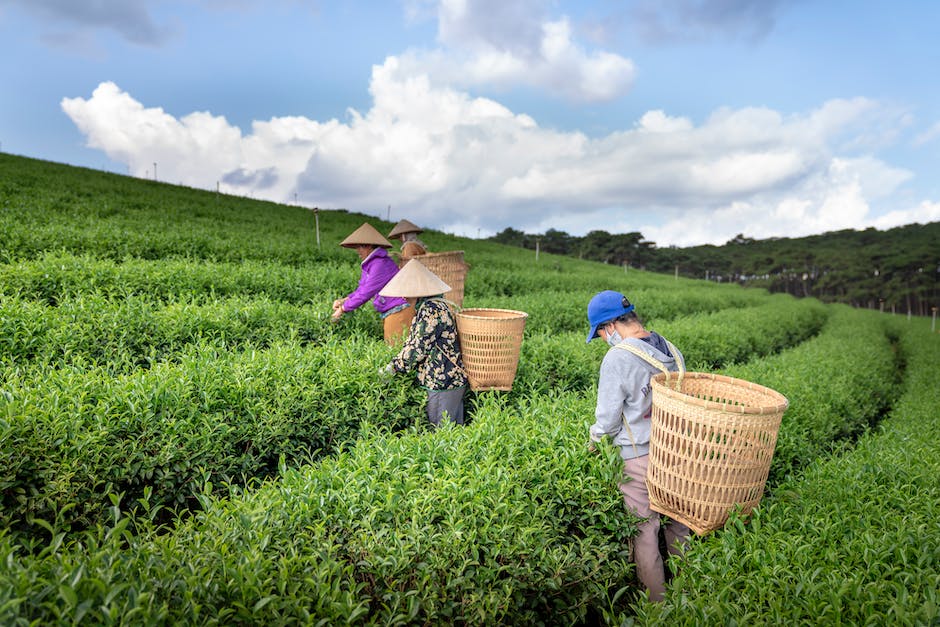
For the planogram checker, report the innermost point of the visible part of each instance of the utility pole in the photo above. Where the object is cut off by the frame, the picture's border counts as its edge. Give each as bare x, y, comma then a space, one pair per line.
316, 217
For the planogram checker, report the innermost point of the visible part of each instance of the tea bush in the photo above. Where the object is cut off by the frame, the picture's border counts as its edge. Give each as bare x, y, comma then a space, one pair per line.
77, 435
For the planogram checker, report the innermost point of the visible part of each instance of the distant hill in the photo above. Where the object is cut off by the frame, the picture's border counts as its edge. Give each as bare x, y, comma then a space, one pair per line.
896, 270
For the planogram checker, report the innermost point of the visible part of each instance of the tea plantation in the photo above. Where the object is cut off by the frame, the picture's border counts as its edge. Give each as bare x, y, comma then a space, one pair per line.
186, 439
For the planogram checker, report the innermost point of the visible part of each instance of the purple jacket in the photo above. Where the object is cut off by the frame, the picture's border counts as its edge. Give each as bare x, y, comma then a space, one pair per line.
377, 270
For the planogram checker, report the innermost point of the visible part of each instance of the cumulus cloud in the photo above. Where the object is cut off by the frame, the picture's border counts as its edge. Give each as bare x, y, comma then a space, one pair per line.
199, 149
449, 161
505, 44
923, 213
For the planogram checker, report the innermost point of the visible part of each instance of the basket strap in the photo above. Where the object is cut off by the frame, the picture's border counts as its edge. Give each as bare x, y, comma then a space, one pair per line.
655, 362
651, 361
677, 356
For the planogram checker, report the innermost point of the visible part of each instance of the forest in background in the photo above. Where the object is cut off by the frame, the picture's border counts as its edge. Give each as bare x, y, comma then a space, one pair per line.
896, 270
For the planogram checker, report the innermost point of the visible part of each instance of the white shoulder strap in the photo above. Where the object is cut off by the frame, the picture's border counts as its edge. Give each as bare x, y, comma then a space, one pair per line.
652, 360
655, 363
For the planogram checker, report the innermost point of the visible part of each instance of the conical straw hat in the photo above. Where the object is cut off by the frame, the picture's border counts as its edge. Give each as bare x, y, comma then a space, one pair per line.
414, 280
365, 234
404, 226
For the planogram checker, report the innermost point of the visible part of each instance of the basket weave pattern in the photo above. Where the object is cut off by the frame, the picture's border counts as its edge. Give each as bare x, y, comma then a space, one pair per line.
451, 269
490, 341
711, 443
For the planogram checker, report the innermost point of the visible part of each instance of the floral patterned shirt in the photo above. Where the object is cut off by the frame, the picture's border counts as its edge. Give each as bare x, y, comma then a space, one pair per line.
432, 347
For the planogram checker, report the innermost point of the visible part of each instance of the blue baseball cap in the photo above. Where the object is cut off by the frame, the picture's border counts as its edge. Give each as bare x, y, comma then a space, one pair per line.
604, 307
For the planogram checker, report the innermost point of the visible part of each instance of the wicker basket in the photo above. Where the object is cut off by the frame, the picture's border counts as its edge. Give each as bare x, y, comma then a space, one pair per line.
711, 443
451, 269
490, 340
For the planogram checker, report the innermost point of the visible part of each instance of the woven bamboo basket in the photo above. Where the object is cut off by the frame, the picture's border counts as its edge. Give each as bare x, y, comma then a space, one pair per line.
711, 444
490, 341
449, 268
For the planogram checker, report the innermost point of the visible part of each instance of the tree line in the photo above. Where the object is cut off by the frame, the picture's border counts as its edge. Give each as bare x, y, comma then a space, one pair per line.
895, 270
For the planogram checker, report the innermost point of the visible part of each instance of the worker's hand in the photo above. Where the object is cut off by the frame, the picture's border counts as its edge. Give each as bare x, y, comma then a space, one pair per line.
338, 303
337, 314
592, 446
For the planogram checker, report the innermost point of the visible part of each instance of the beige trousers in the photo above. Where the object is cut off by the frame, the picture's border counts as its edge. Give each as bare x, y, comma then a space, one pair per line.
649, 561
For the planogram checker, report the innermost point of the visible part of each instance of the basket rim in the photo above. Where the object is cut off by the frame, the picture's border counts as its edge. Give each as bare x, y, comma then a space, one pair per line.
515, 313
658, 385
441, 253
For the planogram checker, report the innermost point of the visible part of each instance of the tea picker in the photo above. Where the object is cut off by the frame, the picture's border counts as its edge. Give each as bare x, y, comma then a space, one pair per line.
411, 246
377, 269
432, 348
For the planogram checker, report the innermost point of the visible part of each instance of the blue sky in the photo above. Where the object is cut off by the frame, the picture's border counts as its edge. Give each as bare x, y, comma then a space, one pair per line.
689, 121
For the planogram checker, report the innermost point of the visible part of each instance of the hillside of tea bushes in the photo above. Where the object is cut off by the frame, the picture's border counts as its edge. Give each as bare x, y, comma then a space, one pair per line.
185, 438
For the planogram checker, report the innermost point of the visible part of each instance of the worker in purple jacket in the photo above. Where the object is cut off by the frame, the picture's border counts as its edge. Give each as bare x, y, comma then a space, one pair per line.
377, 269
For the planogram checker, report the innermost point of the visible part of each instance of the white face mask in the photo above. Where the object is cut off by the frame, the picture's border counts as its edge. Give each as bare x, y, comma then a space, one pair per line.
613, 338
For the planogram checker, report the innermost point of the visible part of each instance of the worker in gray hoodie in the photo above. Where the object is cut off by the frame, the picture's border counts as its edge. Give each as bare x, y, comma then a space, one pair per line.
624, 407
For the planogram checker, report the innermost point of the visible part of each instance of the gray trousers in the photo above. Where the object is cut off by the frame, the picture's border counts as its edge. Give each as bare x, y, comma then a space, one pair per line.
446, 402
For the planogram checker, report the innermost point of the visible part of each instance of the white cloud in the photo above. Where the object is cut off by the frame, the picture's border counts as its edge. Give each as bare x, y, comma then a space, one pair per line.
923, 213
658, 122
507, 44
448, 161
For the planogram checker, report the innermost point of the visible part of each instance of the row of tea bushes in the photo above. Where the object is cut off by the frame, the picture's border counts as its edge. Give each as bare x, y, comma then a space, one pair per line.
511, 273
136, 331
558, 311
826, 409
854, 541
59, 276
477, 525
715, 339
72, 437
128, 333
506, 520
552, 362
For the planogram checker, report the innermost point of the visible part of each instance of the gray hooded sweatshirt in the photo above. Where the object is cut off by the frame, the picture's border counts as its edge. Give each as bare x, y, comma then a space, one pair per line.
624, 394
